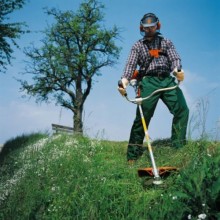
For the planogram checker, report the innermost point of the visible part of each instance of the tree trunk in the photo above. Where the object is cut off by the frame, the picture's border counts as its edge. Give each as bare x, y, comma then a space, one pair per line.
77, 121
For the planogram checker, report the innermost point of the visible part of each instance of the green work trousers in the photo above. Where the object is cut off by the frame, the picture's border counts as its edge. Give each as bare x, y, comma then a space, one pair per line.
175, 102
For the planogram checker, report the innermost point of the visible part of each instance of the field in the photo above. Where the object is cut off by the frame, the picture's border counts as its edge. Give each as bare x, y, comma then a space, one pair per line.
74, 177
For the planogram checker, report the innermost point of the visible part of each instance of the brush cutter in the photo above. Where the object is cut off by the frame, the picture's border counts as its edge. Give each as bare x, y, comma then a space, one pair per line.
154, 171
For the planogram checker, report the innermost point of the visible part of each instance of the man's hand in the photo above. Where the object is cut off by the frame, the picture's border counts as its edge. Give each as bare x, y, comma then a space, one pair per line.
178, 74
122, 85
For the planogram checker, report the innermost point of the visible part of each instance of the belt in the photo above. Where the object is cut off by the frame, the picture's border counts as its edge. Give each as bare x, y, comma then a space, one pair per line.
157, 74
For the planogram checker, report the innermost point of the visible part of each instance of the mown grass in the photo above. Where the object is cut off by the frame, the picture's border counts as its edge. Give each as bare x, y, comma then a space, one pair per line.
73, 177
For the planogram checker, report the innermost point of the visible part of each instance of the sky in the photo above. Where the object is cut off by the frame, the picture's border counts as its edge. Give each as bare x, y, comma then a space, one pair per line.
193, 27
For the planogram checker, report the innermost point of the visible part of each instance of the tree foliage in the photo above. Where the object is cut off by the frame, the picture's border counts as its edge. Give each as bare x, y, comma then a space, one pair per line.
75, 48
9, 32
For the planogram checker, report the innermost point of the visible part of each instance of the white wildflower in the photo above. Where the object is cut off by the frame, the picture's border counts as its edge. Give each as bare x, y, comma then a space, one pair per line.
40, 144
189, 216
103, 179
10, 183
202, 216
174, 197
53, 188
70, 143
54, 137
86, 159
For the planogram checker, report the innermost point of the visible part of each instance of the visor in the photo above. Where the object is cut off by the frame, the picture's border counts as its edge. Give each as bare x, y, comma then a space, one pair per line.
149, 22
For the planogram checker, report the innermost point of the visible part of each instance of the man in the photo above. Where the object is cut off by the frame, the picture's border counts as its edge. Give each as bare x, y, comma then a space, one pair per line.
156, 58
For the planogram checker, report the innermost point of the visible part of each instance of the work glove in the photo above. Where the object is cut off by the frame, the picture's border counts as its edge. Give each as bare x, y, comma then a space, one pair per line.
179, 74
122, 85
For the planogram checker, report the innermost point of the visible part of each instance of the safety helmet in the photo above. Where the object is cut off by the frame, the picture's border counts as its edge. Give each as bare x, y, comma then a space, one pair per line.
149, 20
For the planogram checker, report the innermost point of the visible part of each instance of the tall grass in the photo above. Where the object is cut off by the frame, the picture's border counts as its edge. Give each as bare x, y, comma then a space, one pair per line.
73, 177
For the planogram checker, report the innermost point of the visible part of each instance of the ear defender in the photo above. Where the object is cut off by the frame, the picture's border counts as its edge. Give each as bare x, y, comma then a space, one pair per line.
158, 25
141, 28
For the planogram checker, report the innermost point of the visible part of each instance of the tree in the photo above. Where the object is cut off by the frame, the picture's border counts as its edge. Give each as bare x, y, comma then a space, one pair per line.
73, 51
8, 31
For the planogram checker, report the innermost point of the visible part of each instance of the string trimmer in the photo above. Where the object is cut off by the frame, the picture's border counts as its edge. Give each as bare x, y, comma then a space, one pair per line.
154, 171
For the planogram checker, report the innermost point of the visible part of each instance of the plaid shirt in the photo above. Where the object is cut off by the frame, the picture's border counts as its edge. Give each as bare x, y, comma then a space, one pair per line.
140, 56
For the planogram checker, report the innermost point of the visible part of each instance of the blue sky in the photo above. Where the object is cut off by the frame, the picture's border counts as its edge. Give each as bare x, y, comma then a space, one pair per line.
192, 25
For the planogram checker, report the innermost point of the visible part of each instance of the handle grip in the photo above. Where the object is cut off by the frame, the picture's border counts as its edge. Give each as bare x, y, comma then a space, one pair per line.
178, 70
120, 85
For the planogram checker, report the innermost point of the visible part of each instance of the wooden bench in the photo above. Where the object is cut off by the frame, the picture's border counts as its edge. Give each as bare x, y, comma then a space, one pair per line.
62, 129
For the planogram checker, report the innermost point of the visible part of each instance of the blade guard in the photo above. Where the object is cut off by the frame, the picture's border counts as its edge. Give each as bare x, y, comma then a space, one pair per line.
163, 171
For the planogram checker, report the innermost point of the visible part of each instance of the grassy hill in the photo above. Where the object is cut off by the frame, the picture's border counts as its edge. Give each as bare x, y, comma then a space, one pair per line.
70, 177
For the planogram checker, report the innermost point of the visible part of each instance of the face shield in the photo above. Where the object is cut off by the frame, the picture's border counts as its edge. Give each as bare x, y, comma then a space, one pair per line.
149, 21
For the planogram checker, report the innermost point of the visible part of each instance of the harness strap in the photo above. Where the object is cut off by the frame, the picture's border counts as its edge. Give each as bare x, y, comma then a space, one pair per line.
154, 53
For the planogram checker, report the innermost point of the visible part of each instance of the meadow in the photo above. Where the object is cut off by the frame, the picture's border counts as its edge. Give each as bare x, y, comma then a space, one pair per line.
74, 177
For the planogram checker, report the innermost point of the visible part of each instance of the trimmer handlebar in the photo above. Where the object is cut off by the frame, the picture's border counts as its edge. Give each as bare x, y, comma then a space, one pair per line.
139, 100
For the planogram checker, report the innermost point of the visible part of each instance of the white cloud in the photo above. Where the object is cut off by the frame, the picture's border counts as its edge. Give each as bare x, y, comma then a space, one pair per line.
25, 117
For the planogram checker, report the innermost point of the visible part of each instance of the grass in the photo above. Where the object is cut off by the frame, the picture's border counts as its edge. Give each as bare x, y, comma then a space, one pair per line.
74, 177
